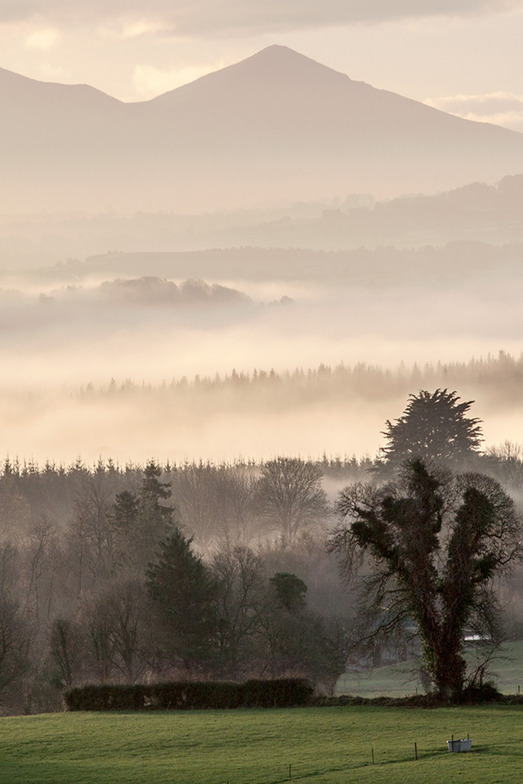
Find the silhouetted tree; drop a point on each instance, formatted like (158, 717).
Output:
(183, 593)
(90, 533)
(125, 511)
(14, 651)
(125, 525)
(240, 604)
(434, 427)
(505, 463)
(100, 650)
(299, 642)
(436, 547)
(155, 516)
(140, 521)
(289, 591)
(15, 635)
(290, 495)
(237, 521)
(66, 648)
(124, 606)
(198, 500)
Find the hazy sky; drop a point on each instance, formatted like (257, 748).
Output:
(464, 56)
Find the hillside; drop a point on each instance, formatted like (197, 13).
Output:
(274, 126)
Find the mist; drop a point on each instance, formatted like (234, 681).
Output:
(130, 368)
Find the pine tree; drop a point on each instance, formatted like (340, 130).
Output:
(183, 596)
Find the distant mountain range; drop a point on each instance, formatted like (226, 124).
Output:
(276, 126)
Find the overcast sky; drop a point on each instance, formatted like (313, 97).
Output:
(464, 56)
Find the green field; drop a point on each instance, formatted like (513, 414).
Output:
(401, 680)
(334, 745)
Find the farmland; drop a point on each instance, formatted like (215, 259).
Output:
(335, 745)
(401, 680)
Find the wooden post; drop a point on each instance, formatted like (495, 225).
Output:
(290, 772)
(372, 756)
(415, 751)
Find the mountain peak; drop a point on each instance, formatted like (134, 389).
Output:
(277, 60)
(281, 53)
(274, 69)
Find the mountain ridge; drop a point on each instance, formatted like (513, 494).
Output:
(275, 125)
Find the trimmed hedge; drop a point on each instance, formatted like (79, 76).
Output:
(181, 695)
(416, 701)
(276, 694)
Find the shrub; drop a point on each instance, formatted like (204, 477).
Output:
(183, 695)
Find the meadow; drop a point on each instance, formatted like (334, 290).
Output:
(394, 680)
(402, 680)
(313, 745)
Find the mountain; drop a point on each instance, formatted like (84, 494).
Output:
(276, 126)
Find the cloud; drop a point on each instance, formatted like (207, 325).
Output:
(43, 39)
(499, 108)
(127, 28)
(193, 17)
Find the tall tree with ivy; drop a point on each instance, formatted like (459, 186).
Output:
(436, 544)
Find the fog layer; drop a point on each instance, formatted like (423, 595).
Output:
(92, 368)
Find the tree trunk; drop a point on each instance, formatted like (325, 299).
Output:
(447, 670)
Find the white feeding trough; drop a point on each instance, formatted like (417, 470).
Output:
(463, 744)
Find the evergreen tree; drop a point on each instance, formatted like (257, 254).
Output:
(434, 427)
(142, 520)
(183, 595)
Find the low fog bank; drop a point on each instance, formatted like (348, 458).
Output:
(339, 411)
(153, 317)
(58, 338)
(171, 339)
(380, 308)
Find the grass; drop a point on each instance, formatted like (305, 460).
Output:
(402, 680)
(320, 745)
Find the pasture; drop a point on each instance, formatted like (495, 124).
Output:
(310, 745)
(401, 680)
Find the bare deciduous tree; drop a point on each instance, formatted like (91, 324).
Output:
(66, 648)
(241, 599)
(290, 496)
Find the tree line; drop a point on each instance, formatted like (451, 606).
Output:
(498, 378)
(112, 574)
(157, 572)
